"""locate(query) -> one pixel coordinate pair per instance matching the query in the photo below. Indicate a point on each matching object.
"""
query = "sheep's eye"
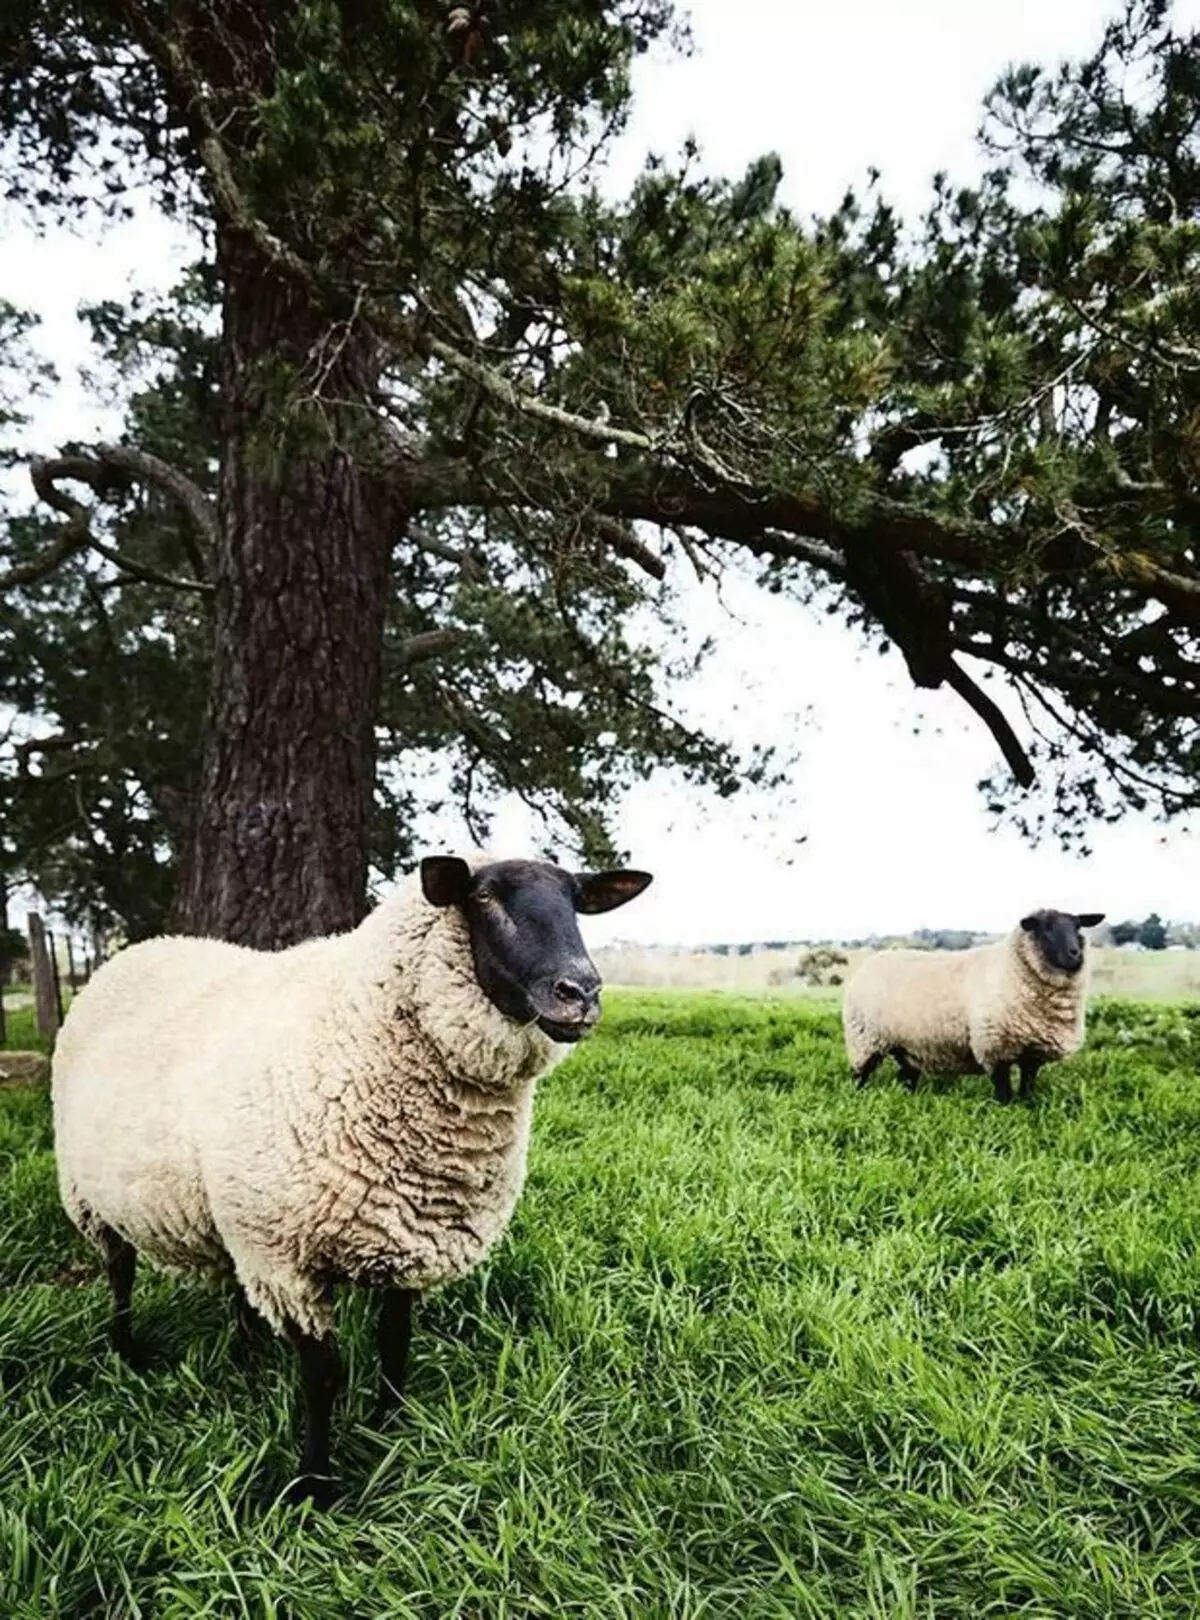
(485, 898)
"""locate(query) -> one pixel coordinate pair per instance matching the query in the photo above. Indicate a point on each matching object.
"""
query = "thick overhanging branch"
(661, 486)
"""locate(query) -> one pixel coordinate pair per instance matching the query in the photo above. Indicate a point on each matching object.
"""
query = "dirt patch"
(75, 1274)
(24, 1068)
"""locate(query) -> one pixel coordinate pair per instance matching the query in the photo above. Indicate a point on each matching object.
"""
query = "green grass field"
(757, 1344)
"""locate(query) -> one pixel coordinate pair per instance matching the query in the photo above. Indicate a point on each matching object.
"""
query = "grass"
(757, 1345)
(21, 1031)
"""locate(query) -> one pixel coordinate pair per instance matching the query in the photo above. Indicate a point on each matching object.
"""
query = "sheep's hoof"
(319, 1489)
(131, 1354)
(389, 1405)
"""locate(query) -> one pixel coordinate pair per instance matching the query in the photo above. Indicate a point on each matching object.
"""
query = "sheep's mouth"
(566, 1033)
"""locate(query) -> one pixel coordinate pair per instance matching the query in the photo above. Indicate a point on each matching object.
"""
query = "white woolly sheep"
(354, 1109)
(1020, 1000)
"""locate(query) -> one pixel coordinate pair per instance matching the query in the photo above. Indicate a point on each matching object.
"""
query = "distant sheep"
(1021, 1000)
(354, 1109)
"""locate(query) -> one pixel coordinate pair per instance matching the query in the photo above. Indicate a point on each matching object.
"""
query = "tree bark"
(277, 846)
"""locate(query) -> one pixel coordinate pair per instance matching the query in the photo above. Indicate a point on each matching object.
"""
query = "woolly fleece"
(963, 1012)
(353, 1108)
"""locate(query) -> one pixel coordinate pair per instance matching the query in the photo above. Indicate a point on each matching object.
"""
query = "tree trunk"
(278, 841)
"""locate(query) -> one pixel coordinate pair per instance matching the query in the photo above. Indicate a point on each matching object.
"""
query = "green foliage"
(756, 1342)
(974, 438)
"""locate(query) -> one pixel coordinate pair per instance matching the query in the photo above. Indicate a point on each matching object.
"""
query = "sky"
(881, 827)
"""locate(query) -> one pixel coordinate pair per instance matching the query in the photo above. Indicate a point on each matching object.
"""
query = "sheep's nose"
(573, 993)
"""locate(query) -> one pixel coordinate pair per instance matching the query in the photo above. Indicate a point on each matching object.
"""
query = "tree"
(1153, 935)
(402, 493)
(820, 966)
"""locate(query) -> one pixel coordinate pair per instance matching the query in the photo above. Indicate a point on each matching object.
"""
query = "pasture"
(1132, 975)
(756, 1344)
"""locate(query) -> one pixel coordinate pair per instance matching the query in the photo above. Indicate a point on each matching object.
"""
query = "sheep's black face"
(529, 959)
(1057, 936)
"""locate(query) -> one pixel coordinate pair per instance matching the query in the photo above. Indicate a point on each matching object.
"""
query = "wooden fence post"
(3, 966)
(45, 1001)
(52, 952)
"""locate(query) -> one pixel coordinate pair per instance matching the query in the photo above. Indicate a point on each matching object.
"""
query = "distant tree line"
(1152, 934)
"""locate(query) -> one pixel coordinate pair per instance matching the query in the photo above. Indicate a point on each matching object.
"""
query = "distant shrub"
(816, 967)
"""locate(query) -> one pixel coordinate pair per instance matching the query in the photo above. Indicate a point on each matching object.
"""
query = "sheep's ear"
(605, 891)
(445, 879)
(1090, 919)
(1029, 924)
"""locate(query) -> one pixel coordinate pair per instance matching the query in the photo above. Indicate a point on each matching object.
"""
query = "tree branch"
(990, 713)
(165, 48)
(149, 576)
(74, 537)
(153, 469)
(427, 644)
(619, 537)
(508, 394)
(95, 470)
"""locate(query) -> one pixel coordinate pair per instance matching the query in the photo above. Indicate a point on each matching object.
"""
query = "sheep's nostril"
(568, 990)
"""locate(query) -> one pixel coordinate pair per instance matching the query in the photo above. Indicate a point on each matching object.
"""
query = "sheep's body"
(351, 1108)
(963, 1012)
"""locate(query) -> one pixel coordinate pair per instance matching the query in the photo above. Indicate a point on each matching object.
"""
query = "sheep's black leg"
(320, 1378)
(909, 1072)
(1029, 1066)
(393, 1335)
(865, 1070)
(120, 1260)
(1002, 1082)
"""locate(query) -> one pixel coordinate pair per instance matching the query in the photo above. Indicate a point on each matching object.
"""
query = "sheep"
(1020, 1000)
(353, 1109)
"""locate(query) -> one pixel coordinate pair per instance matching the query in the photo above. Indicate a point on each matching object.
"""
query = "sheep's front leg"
(393, 1335)
(320, 1379)
(1029, 1064)
(1002, 1082)
(865, 1070)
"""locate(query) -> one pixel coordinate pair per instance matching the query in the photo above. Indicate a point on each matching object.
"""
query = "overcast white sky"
(895, 834)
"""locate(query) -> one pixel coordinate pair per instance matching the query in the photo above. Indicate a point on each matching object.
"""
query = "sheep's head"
(1057, 940)
(529, 958)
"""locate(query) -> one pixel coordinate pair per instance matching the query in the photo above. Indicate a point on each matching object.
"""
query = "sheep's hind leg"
(251, 1331)
(320, 1379)
(909, 1072)
(1001, 1080)
(393, 1336)
(865, 1070)
(120, 1262)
